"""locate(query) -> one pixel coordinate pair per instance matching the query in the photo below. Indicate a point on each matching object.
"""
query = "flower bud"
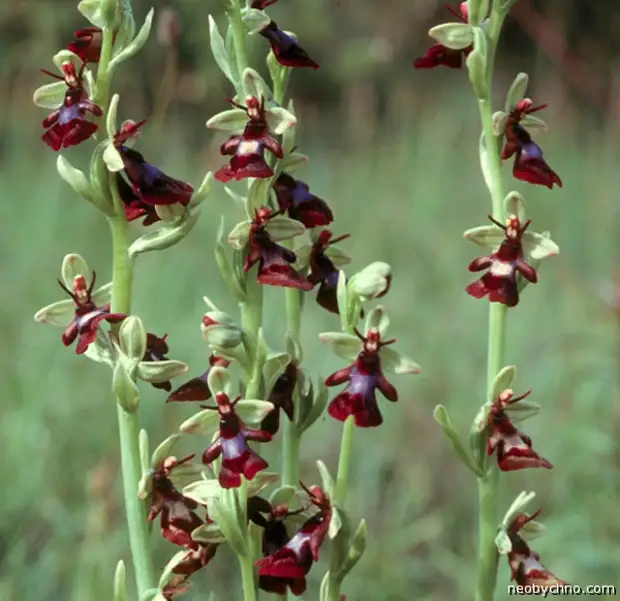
(132, 337)
(373, 281)
(220, 331)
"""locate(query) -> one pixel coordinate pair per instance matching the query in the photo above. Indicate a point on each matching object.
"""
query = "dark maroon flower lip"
(87, 44)
(262, 4)
(530, 165)
(513, 448)
(364, 377)
(286, 566)
(232, 445)
(281, 396)
(134, 206)
(286, 50)
(197, 389)
(500, 282)
(324, 272)
(156, 350)
(88, 317)
(248, 149)
(274, 260)
(294, 197)
(69, 125)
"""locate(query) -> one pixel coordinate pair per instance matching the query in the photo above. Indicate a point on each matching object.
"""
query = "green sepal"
(327, 482)
(476, 63)
(357, 546)
(499, 121)
(167, 572)
(208, 533)
(218, 48)
(477, 11)
(283, 495)
(171, 213)
(378, 319)
(478, 436)
(203, 491)
(260, 482)
(441, 416)
(99, 172)
(254, 85)
(254, 20)
(522, 410)
(279, 120)
(100, 351)
(59, 313)
(293, 161)
(397, 363)
(514, 204)
(273, 368)
(200, 195)
(518, 506)
(204, 422)
(502, 381)
(533, 122)
(253, 412)
(218, 381)
(229, 275)
(111, 117)
(125, 388)
(132, 337)
(258, 195)
(120, 586)
(157, 372)
(136, 44)
(232, 120)
(456, 36)
(282, 228)
(239, 235)
(342, 297)
(74, 265)
(337, 256)
(51, 95)
(66, 56)
(127, 27)
(80, 184)
(503, 543)
(315, 401)
(96, 12)
(225, 339)
(516, 91)
(163, 450)
(345, 346)
(166, 236)
(231, 52)
(112, 158)
(538, 246)
(485, 165)
(489, 236)
(335, 524)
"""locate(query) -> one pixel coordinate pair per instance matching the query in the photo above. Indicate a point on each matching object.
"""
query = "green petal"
(253, 412)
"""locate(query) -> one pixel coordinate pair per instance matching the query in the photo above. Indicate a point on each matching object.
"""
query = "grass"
(407, 201)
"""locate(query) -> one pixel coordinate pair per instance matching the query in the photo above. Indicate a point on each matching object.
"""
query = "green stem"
(247, 577)
(238, 32)
(103, 74)
(488, 490)
(128, 426)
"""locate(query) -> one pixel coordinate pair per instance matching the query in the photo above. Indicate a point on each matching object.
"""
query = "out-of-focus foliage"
(395, 151)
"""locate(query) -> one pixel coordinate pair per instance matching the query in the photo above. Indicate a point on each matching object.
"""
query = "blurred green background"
(395, 152)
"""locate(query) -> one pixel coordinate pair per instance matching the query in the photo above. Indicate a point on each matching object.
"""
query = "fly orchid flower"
(287, 566)
(69, 125)
(87, 44)
(513, 448)
(285, 48)
(369, 355)
(248, 148)
(197, 389)
(525, 566)
(529, 165)
(232, 445)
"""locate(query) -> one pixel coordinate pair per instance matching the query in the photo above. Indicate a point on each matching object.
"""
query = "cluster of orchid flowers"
(512, 263)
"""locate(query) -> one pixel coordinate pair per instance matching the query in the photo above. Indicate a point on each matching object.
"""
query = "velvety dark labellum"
(364, 377)
(294, 197)
(197, 389)
(87, 44)
(500, 281)
(152, 186)
(282, 398)
(156, 350)
(286, 50)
